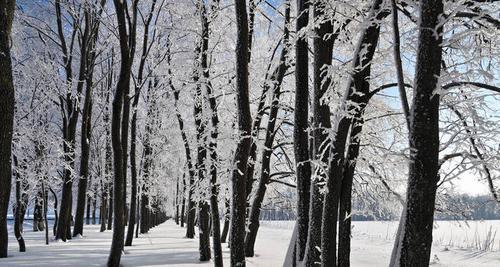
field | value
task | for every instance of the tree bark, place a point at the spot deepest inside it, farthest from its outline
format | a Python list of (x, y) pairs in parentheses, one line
[(118, 124), (90, 31), (70, 109), (355, 100), (203, 219), (7, 101), (190, 214), (225, 229), (279, 74), (183, 204), (237, 238), (322, 50), (416, 237), (17, 210), (133, 135), (300, 133)]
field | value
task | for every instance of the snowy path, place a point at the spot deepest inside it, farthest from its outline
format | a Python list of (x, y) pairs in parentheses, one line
[(166, 246)]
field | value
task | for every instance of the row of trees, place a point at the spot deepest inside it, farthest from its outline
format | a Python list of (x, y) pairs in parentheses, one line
[(144, 109)]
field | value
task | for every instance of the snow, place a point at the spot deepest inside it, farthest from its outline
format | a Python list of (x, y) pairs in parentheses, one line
[(165, 245)]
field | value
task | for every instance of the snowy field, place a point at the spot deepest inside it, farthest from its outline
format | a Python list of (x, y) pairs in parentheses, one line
[(455, 244)]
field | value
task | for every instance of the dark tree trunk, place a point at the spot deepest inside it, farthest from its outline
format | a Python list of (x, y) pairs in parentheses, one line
[(88, 210), (25, 204), (55, 211), (225, 229), (133, 135), (45, 211), (108, 213), (214, 206), (144, 211), (133, 138), (355, 100), (190, 213), (137, 217), (71, 112), (203, 219), (279, 74), (6, 118), (119, 123), (237, 238), (252, 6), (344, 249), (415, 242), (94, 209), (38, 224), (300, 134), (133, 193), (183, 207), (110, 207), (17, 210), (176, 201), (322, 51), (103, 209), (91, 29), (85, 149)]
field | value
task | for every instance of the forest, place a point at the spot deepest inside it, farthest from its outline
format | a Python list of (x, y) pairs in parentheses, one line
[(249, 133)]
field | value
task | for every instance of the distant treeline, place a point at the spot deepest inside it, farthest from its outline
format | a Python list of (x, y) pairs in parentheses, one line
[(451, 207)]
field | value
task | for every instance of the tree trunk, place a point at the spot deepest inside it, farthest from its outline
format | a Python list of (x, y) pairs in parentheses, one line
[(344, 249), (279, 74), (355, 100), (71, 110), (300, 134), (144, 211), (103, 209), (133, 196), (183, 207), (416, 239), (237, 238), (108, 213), (45, 211), (203, 219), (133, 137), (119, 123), (88, 210), (190, 214), (94, 210), (38, 213), (110, 208), (6, 118), (55, 211), (17, 210), (176, 201), (322, 51), (225, 229), (86, 131)]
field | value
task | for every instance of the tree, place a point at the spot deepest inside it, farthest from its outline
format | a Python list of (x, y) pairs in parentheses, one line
[(277, 77), (17, 210), (301, 123), (6, 117), (126, 38), (238, 179), (92, 21), (348, 118), (416, 239), (133, 135), (322, 51)]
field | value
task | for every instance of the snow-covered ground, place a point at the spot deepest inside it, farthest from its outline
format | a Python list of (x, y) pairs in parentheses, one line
[(455, 245)]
